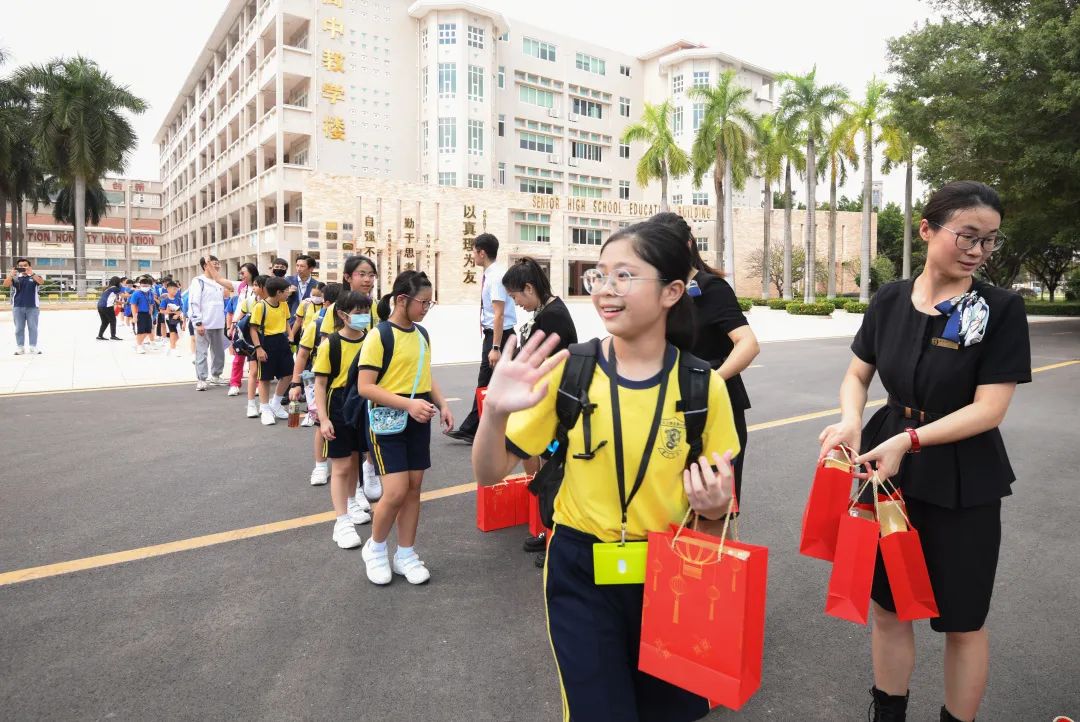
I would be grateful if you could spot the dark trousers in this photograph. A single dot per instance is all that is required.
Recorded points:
(108, 320)
(737, 463)
(472, 421)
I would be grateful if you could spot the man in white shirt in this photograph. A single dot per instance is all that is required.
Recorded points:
(498, 316)
(206, 309)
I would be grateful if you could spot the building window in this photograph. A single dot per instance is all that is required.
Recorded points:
(476, 82)
(588, 151)
(534, 141)
(702, 243)
(676, 84)
(700, 199)
(698, 114)
(624, 190)
(586, 236)
(502, 173)
(624, 150)
(447, 80)
(701, 78)
(533, 227)
(447, 34)
(424, 135)
(502, 125)
(538, 49)
(476, 137)
(476, 37)
(676, 200)
(448, 179)
(587, 107)
(423, 83)
(532, 185)
(447, 135)
(624, 107)
(590, 64)
(586, 191)
(535, 96)
(624, 70)
(423, 39)
(502, 76)
(476, 180)
(676, 121)
(505, 37)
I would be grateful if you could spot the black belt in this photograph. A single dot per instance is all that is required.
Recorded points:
(910, 412)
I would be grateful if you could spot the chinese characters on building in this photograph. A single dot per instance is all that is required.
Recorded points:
(333, 61)
(467, 236)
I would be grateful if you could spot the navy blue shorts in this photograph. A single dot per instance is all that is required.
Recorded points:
(409, 450)
(348, 440)
(144, 323)
(279, 359)
(595, 631)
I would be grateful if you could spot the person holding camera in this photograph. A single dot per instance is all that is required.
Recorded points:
(25, 306)
(206, 309)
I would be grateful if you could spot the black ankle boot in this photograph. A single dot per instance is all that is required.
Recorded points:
(947, 717)
(887, 707)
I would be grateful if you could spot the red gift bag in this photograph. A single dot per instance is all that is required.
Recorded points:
(905, 564)
(481, 397)
(829, 496)
(703, 615)
(853, 568)
(504, 504)
(536, 525)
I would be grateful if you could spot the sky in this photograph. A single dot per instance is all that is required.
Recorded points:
(150, 45)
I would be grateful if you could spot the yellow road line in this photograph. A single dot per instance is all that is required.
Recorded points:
(104, 560)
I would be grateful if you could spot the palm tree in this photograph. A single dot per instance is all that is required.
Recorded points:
(62, 199)
(723, 142)
(837, 154)
(900, 148)
(864, 116)
(78, 125)
(769, 161)
(791, 147)
(809, 107)
(663, 158)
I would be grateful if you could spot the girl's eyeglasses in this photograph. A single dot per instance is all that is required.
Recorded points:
(621, 281)
(426, 304)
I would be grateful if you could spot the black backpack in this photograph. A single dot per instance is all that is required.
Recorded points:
(354, 402)
(573, 401)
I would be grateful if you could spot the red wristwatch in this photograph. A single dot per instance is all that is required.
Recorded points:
(914, 436)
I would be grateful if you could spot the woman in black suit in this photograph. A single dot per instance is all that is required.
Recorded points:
(950, 350)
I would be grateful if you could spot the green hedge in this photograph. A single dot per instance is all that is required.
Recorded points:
(778, 304)
(1052, 309)
(855, 307)
(760, 301)
(810, 309)
(745, 304)
(837, 303)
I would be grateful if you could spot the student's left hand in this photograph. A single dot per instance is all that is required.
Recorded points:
(447, 417)
(888, 454)
(326, 428)
(710, 492)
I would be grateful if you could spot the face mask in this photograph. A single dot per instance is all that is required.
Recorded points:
(279, 272)
(144, 288)
(316, 299)
(359, 321)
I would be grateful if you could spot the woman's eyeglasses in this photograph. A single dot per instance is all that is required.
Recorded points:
(621, 281)
(967, 241)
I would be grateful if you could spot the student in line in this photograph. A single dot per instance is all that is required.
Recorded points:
(529, 287)
(400, 378)
(306, 311)
(244, 290)
(303, 383)
(257, 294)
(106, 306)
(142, 305)
(170, 309)
(342, 442)
(639, 290)
(126, 289)
(268, 326)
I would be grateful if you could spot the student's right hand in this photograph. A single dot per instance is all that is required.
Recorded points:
(326, 428)
(200, 330)
(421, 410)
(260, 354)
(514, 383)
(839, 434)
(294, 393)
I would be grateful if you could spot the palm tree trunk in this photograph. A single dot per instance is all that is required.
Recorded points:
(830, 289)
(718, 188)
(765, 265)
(788, 293)
(729, 225)
(907, 221)
(811, 225)
(3, 234)
(17, 237)
(868, 181)
(663, 187)
(80, 235)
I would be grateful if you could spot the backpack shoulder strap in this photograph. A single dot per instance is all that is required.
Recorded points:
(335, 356)
(386, 335)
(694, 375)
(573, 398)
(424, 333)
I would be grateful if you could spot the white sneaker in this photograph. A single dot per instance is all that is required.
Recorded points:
(140, 349)
(19, 351)
(320, 475)
(168, 352)
(372, 482)
(345, 534)
(357, 513)
(201, 386)
(307, 421)
(218, 381)
(268, 417)
(252, 408)
(377, 564)
(279, 411)
(360, 504)
(411, 568)
(34, 350)
(234, 391)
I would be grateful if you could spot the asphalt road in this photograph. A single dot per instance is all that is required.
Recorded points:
(285, 626)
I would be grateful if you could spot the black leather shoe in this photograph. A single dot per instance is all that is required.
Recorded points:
(946, 716)
(887, 707)
(536, 543)
(461, 436)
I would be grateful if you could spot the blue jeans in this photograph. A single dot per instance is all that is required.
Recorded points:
(27, 317)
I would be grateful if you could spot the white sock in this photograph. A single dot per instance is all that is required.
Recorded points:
(378, 547)
(369, 469)
(265, 407)
(403, 552)
(322, 465)
(343, 517)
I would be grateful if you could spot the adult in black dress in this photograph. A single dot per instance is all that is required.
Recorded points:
(530, 288)
(950, 350)
(722, 335)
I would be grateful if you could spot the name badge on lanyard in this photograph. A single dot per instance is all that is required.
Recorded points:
(622, 562)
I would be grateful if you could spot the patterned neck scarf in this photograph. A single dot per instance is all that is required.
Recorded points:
(968, 316)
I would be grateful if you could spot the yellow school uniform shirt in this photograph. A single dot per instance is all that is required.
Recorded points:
(307, 312)
(309, 336)
(273, 319)
(349, 350)
(589, 498)
(401, 372)
(327, 326)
